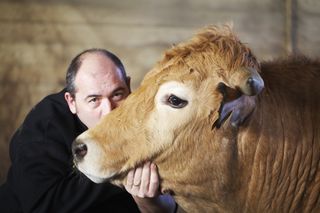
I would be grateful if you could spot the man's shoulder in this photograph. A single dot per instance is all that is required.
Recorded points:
(49, 120)
(52, 109)
(52, 104)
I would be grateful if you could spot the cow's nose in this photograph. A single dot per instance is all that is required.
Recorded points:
(79, 150)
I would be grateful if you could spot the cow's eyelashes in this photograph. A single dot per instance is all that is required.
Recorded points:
(176, 102)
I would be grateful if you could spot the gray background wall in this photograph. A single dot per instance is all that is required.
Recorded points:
(39, 38)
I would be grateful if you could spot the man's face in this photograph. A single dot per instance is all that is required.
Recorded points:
(99, 89)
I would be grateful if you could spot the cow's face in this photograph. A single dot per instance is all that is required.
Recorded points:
(175, 109)
(147, 124)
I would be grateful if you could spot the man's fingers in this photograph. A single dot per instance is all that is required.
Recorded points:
(137, 176)
(130, 178)
(143, 181)
(154, 181)
(129, 185)
(145, 178)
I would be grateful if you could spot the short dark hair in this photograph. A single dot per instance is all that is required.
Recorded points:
(76, 63)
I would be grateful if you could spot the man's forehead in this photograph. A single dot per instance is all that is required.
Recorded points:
(102, 85)
(99, 64)
(97, 74)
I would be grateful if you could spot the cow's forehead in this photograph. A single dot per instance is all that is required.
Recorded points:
(179, 72)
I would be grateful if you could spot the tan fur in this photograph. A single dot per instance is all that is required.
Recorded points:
(264, 157)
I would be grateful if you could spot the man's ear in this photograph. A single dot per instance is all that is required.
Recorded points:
(71, 102)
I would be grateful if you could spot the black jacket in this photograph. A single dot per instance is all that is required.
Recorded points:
(42, 177)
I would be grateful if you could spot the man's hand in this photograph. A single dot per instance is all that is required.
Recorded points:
(143, 184)
(143, 181)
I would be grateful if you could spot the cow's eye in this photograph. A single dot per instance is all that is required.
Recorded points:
(176, 102)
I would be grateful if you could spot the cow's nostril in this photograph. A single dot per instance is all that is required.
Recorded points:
(79, 150)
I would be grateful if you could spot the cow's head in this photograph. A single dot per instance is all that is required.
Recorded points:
(175, 116)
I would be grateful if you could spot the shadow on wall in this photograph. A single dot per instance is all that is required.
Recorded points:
(16, 95)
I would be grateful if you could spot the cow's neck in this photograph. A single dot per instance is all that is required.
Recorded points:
(278, 156)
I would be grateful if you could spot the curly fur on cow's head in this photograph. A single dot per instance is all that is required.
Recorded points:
(233, 61)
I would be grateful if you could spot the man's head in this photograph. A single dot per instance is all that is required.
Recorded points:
(96, 84)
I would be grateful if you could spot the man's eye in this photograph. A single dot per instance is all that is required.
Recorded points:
(176, 102)
(118, 96)
(93, 100)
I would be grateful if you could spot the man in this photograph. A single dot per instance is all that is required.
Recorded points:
(42, 177)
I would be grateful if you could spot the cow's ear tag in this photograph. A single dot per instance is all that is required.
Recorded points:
(234, 105)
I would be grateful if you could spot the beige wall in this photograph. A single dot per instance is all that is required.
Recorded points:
(39, 38)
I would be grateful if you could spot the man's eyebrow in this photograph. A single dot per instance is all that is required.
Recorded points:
(119, 89)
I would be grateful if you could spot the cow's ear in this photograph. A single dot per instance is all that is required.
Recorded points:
(233, 104)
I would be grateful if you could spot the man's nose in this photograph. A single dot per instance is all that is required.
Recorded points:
(107, 106)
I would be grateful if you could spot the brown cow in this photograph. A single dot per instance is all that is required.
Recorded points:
(220, 144)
